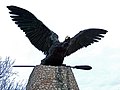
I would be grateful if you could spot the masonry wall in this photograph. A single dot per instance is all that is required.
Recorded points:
(52, 78)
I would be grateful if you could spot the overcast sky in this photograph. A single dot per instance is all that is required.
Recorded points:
(68, 17)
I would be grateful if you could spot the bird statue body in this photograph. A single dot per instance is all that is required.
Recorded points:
(56, 53)
(47, 41)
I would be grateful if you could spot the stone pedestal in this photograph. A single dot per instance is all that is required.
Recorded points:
(52, 78)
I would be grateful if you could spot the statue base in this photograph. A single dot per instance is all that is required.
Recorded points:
(51, 78)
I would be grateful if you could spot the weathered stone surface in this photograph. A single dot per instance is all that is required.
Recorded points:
(52, 78)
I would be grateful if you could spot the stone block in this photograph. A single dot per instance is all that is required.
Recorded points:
(52, 78)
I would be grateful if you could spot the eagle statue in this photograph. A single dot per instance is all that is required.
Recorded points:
(47, 41)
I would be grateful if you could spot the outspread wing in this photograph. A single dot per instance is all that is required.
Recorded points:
(85, 38)
(38, 34)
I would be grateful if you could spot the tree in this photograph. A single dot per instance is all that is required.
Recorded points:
(7, 76)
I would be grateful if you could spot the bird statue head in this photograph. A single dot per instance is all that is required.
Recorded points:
(67, 38)
(66, 42)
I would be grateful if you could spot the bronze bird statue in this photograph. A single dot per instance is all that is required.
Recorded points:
(47, 41)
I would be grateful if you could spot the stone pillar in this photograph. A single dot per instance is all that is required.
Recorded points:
(52, 78)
